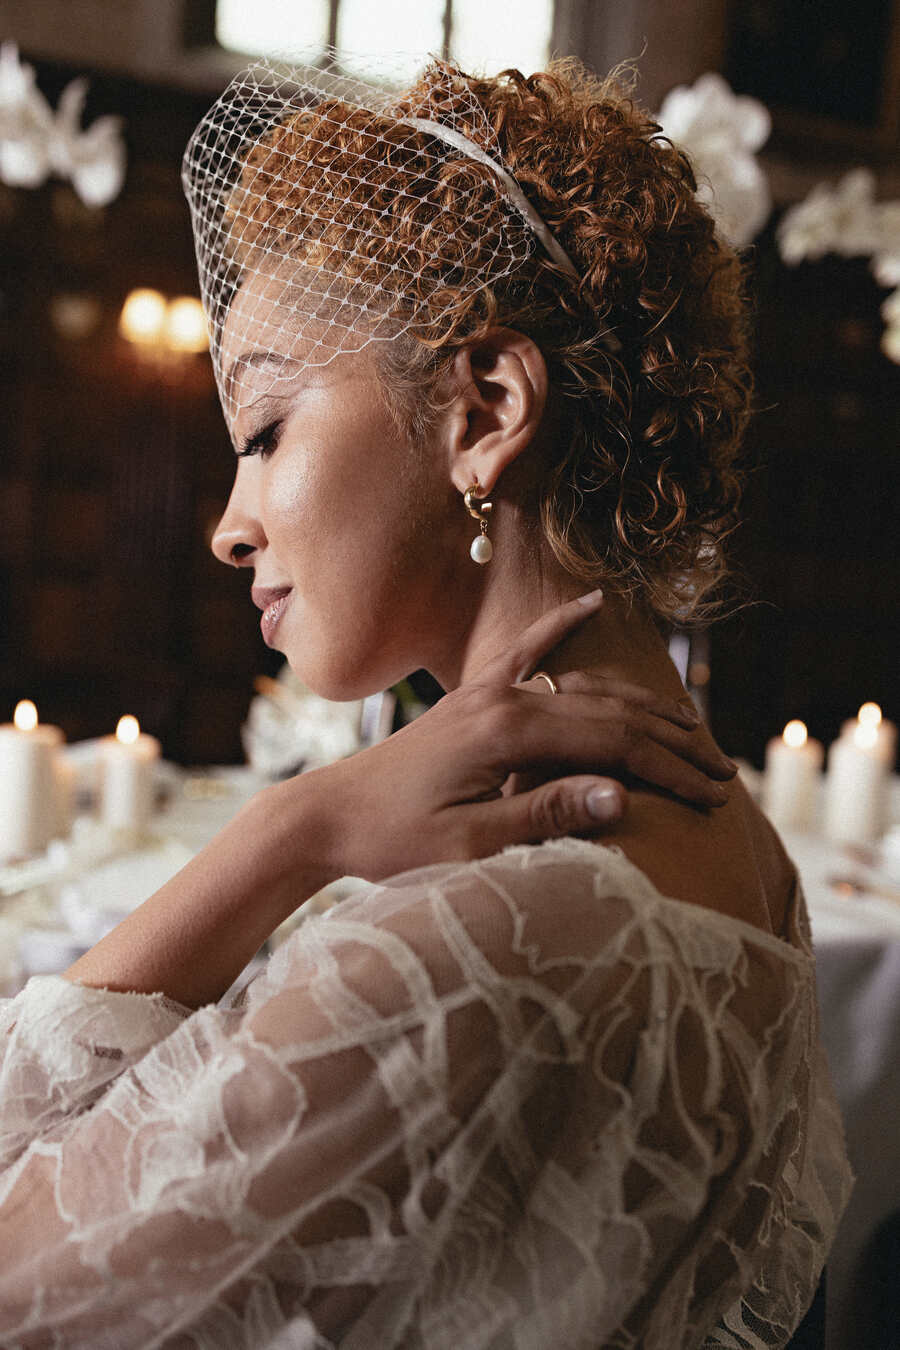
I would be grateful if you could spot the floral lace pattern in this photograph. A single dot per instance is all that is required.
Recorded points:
(506, 1105)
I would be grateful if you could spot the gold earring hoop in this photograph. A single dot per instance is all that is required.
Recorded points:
(482, 550)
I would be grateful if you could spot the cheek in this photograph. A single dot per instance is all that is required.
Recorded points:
(339, 522)
(288, 511)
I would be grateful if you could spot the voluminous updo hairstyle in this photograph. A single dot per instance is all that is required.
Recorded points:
(641, 485)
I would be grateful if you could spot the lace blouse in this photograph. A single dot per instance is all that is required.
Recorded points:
(509, 1105)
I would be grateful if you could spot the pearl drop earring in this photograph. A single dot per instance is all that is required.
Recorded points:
(482, 550)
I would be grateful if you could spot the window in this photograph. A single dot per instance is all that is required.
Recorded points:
(482, 37)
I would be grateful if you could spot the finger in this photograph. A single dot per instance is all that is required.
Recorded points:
(555, 809)
(622, 726)
(548, 740)
(683, 714)
(660, 767)
(696, 746)
(520, 658)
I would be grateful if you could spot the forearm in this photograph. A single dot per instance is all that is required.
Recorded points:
(193, 937)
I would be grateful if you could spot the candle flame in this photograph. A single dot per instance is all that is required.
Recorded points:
(869, 715)
(128, 730)
(794, 734)
(25, 717)
(865, 735)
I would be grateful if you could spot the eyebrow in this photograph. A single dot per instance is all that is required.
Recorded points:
(258, 357)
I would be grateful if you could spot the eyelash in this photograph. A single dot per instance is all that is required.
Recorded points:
(263, 443)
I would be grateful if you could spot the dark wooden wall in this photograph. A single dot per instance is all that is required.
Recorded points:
(818, 551)
(113, 467)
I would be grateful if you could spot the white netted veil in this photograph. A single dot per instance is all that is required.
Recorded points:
(348, 212)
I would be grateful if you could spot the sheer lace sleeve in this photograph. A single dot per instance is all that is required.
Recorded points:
(60, 1045)
(514, 1104)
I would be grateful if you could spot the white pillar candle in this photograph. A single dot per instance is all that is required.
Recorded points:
(65, 796)
(885, 747)
(855, 788)
(793, 762)
(29, 797)
(128, 765)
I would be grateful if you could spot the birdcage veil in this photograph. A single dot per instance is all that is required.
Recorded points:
(346, 211)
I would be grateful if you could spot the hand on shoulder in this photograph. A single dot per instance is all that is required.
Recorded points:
(449, 785)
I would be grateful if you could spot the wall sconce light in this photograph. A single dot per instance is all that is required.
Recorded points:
(185, 325)
(143, 317)
(149, 320)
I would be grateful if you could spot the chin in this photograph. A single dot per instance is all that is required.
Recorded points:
(342, 681)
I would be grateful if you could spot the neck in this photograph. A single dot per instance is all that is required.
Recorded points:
(620, 641)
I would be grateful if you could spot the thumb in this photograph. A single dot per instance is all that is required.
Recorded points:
(562, 806)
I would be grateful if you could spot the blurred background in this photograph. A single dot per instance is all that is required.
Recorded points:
(114, 460)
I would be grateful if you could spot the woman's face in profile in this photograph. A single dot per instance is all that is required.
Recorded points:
(332, 507)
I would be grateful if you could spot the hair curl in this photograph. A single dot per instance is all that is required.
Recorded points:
(643, 486)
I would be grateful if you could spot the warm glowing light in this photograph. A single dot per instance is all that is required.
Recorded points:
(271, 25)
(186, 325)
(794, 734)
(488, 38)
(368, 33)
(25, 717)
(128, 730)
(869, 715)
(143, 316)
(865, 735)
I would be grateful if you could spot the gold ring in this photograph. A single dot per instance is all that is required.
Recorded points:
(542, 675)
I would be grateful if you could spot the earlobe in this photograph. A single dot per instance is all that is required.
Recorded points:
(502, 383)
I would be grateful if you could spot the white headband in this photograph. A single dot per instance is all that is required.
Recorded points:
(516, 196)
(514, 192)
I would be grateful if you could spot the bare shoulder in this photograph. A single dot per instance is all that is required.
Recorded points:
(729, 859)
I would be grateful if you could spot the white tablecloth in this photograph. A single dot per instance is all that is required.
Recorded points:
(857, 946)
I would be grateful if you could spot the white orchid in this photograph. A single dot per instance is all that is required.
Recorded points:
(26, 119)
(35, 143)
(721, 132)
(886, 267)
(94, 160)
(890, 338)
(842, 219)
(847, 220)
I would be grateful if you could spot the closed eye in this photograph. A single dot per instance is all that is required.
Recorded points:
(262, 442)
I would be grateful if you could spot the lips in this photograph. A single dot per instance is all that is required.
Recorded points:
(272, 601)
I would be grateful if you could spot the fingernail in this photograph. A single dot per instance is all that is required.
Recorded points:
(603, 803)
(690, 712)
(592, 597)
(720, 793)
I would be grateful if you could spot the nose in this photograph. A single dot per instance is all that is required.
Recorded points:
(239, 535)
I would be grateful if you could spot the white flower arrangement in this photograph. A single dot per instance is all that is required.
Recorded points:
(846, 219)
(721, 132)
(35, 142)
(288, 726)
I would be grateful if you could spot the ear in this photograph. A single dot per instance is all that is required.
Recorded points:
(501, 384)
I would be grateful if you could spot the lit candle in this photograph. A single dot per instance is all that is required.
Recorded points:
(128, 764)
(29, 791)
(855, 787)
(869, 715)
(65, 796)
(793, 762)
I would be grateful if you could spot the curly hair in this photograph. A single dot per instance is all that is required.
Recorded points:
(642, 487)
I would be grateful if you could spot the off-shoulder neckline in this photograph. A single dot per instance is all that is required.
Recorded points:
(796, 946)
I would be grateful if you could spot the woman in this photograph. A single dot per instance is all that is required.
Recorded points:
(564, 1094)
